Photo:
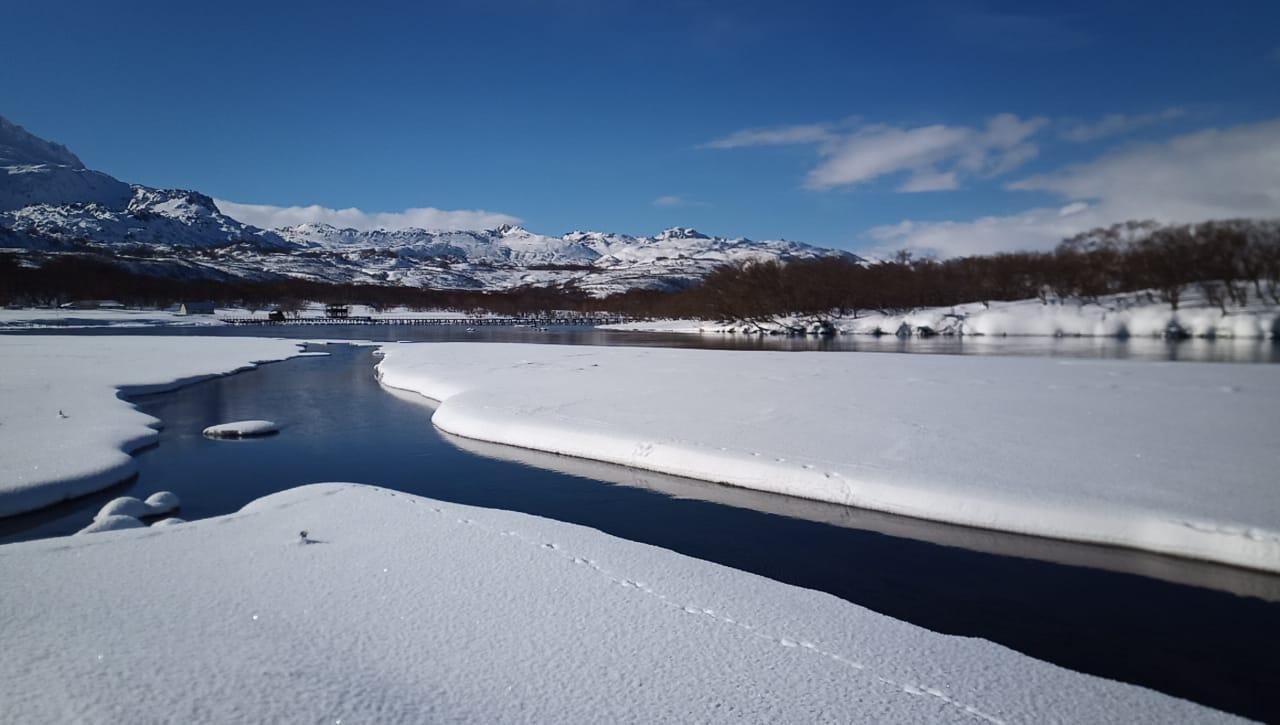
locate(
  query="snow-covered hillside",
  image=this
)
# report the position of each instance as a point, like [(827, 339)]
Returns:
[(51, 204)]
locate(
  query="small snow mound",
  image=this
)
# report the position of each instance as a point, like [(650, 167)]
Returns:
[(162, 502), (171, 521), (242, 429), (114, 522), (124, 506)]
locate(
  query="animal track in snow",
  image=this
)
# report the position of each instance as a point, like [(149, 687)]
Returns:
[(800, 645)]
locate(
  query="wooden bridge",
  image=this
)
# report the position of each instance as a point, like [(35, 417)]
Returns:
[(585, 321)]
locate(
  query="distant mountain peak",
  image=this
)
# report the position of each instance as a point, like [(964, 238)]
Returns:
[(20, 146), (680, 233), (504, 230)]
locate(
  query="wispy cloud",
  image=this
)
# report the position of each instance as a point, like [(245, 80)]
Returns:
[(934, 158), (930, 180), (270, 217), (674, 201), (778, 136), (1210, 174), (1116, 124)]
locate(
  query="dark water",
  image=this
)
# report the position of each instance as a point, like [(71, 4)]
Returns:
[(1195, 350), (1192, 630)]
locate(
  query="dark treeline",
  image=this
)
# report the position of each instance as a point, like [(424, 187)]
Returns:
[(68, 278), (1223, 260)]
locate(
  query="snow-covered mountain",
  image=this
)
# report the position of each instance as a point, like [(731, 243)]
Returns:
[(51, 204), (36, 171)]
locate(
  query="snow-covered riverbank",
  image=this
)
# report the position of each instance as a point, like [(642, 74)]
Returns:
[(1172, 458), (1138, 314), (58, 318), (405, 609), (64, 430)]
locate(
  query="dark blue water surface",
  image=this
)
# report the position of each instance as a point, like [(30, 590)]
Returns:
[(1193, 630)]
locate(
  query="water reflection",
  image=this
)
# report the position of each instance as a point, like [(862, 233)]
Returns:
[(1151, 349)]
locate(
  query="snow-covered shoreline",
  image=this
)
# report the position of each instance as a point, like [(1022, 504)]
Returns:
[(57, 318), (65, 429), (406, 609), (1135, 314), (1171, 458)]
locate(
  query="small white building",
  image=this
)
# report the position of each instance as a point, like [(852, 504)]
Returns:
[(196, 308)]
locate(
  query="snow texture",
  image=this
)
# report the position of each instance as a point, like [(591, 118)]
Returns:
[(242, 429), (65, 432), (113, 522), (405, 609), (162, 502), (156, 504), (1172, 458), (124, 506)]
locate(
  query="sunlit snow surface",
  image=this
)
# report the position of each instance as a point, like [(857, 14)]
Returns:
[(406, 609), (1173, 458), (64, 431)]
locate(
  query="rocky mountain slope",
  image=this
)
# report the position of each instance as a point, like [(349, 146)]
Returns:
[(51, 204)]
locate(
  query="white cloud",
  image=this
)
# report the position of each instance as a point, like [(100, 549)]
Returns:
[(673, 201), (1116, 124), (877, 151), (934, 157), (930, 180), (270, 217), (779, 136), (1035, 229), (1211, 174)]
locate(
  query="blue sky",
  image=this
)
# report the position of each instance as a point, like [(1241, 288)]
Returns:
[(951, 127)]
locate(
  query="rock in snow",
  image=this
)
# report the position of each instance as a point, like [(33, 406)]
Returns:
[(1176, 458), (242, 429), (46, 458), (414, 610)]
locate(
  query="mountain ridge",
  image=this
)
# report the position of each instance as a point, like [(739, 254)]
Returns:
[(50, 203)]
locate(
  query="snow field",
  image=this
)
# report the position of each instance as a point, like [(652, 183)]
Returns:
[(405, 609)]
